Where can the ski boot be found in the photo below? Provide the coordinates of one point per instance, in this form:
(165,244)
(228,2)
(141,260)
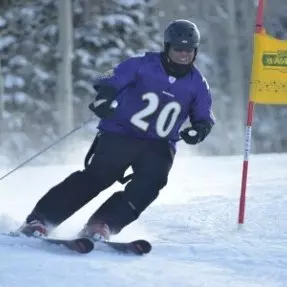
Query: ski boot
(96,231)
(34,228)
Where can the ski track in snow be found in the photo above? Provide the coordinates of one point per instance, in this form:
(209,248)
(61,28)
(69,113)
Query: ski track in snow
(192,226)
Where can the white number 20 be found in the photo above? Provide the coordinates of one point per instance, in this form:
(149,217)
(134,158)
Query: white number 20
(170,111)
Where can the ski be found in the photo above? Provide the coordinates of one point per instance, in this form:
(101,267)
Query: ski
(137,247)
(85,245)
(80,245)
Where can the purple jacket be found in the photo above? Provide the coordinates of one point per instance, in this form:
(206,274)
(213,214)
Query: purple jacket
(153,105)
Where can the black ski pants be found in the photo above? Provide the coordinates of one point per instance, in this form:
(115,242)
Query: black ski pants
(151,161)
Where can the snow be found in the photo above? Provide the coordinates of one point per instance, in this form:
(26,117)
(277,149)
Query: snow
(18,60)
(192,226)
(21,98)
(114,19)
(2,22)
(84,85)
(130,3)
(43,75)
(6,41)
(85,56)
(27,12)
(12,81)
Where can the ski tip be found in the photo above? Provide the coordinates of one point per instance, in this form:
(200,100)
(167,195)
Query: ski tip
(142,246)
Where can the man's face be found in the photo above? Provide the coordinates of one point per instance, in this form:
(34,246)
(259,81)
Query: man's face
(180,56)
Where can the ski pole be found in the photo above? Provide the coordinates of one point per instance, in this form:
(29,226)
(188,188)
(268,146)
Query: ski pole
(47,148)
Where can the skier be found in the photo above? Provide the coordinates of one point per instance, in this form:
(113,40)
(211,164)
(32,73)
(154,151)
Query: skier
(142,104)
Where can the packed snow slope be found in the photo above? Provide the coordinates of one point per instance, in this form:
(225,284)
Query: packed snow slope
(192,227)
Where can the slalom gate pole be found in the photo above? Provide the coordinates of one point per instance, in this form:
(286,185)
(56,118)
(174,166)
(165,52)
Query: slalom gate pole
(47,148)
(247,147)
(259,28)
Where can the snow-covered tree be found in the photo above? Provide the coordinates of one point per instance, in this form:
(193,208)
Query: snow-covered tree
(105,32)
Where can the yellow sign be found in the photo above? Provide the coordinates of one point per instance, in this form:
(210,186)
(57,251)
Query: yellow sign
(269,70)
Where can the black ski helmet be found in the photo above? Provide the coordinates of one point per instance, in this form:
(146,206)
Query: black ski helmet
(182,34)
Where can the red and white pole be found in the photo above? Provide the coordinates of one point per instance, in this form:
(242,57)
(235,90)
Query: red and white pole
(247,143)
(247,147)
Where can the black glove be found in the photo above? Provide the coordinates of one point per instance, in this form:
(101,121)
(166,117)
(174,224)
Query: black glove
(104,104)
(196,133)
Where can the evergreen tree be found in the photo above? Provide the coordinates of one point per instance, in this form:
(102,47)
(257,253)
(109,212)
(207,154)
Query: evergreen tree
(105,32)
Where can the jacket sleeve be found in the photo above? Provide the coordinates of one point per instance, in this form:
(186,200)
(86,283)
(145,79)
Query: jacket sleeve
(110,84)
(201,107)
(119,77)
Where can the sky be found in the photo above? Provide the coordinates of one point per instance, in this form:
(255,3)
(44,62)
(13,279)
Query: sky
(192,227)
